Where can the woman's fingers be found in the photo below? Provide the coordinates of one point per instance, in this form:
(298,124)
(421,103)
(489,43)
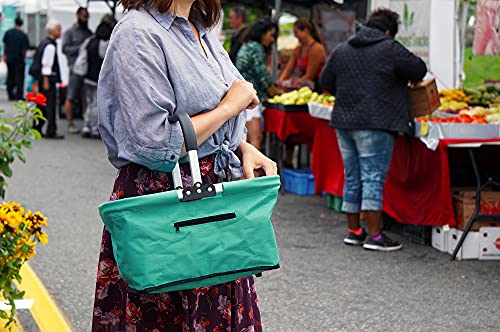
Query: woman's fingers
(248,170)
(270,168)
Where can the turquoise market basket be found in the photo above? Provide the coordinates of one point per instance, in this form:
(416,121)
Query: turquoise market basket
(195,236)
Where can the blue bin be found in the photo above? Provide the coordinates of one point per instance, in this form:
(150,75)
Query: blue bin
(298,181)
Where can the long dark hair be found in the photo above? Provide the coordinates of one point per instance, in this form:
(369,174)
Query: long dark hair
(307,24)
(206,11)
(259,29)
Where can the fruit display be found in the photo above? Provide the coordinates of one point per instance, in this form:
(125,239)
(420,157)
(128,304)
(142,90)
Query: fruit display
(452,106)
(453,100)
(487,95)
(476,115)
(301,97)
(493,115)
(323,99)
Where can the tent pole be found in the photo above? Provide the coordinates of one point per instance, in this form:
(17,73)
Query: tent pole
(462,28)
(456,8)
(274,61)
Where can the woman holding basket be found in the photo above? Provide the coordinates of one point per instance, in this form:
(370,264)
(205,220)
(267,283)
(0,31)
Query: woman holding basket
(163,59)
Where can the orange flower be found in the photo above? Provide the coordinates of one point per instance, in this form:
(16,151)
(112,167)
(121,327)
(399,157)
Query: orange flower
(39,98)
(30,96)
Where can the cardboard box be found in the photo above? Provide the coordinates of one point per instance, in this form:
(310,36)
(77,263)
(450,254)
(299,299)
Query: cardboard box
(424,98)
(489,243)
(464,203)
(470,247)
(440,238)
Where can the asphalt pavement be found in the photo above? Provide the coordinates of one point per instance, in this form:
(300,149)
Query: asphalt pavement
(322,285)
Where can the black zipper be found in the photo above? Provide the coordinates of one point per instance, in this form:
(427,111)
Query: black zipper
(204,220)
(179,282)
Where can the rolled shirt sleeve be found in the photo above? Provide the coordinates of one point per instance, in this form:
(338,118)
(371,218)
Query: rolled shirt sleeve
(48,59)
(135,93)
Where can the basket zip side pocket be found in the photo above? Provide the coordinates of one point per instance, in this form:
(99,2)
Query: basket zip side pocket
(204,220)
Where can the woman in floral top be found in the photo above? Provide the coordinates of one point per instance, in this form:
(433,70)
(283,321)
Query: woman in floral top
(251,63)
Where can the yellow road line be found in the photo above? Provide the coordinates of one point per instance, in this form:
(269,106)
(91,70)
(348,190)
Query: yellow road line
(44,311)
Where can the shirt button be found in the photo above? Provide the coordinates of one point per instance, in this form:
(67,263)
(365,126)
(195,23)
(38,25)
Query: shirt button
(172,156)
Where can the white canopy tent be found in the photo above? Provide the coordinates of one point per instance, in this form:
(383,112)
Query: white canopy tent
(63,10)
(36,12)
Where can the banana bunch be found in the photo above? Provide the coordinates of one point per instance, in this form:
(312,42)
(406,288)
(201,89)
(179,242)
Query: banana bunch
(322,99)
(453,95)
(452,105)
(295,97)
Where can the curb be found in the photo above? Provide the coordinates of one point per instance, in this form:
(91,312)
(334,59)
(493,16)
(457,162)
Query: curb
(45,312)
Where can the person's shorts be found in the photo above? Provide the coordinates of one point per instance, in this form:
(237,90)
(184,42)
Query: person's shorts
(75,87)
(255,113)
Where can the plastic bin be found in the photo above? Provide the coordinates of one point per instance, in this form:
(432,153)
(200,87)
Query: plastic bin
(298,181)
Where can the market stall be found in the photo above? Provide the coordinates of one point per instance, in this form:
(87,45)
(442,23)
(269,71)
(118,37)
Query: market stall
(418,190)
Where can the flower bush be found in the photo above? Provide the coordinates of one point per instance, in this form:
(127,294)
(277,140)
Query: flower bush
(20,230)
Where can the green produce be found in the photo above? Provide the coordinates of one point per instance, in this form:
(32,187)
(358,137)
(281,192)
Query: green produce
(301,97)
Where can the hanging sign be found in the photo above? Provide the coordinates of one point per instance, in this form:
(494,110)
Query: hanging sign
(415,16)
(487,30)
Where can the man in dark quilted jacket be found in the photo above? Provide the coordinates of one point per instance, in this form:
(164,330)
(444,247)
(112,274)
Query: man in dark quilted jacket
(369,75)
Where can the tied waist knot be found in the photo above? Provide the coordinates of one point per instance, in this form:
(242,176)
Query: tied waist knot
(226,158)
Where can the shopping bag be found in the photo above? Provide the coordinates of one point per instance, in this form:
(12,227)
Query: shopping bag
(195,236)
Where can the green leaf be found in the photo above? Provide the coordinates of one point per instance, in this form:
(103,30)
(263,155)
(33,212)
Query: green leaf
(6,128)
(27,143)
(3,314)
(412,16)
(10,156)
(37,134)
(21,156)
(6,170)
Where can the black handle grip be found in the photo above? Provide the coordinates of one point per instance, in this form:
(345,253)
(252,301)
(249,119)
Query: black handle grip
(187,129)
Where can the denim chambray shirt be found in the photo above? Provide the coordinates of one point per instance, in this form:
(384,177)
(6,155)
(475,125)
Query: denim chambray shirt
(154,67)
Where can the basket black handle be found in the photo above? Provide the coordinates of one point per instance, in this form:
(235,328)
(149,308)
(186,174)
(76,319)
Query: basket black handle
(187,130)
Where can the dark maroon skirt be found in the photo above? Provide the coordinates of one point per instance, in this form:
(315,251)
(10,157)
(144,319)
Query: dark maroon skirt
(227,307)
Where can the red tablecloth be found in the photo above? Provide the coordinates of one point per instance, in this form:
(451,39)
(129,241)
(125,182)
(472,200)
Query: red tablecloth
(295,126)
(447,142)
(417,190)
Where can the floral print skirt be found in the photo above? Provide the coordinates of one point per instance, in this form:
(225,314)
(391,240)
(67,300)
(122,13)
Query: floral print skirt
(227,307)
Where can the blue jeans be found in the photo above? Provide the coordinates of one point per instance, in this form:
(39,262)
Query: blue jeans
(367,155)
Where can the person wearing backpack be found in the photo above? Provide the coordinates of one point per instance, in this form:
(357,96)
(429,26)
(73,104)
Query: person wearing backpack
(88,65)
(71,42)
(45,69)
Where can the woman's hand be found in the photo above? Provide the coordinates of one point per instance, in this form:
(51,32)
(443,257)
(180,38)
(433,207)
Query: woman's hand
(240,96)
(253,161)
